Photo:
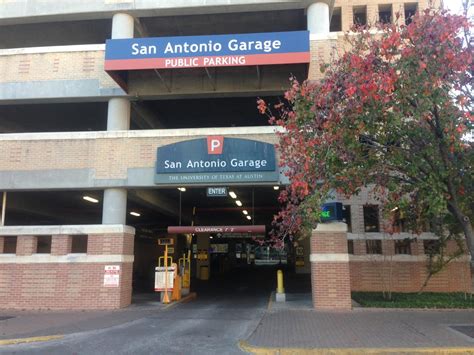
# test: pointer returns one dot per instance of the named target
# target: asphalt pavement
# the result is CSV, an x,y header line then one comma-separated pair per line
x,y
225,311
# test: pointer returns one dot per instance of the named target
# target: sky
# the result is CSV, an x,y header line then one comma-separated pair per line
x,y
454,5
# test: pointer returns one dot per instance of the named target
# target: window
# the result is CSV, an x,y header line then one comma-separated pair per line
x,y
79,244
336,21
371,218
360,15
350,247
410,10
400,224
431,247
44,244
373,246
346,216
9,245
403,246
385,14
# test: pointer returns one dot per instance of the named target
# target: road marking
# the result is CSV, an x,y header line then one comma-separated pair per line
x,y
243,345
30,340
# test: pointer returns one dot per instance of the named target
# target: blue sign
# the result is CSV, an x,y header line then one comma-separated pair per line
x,y
331,211
216,159
207,51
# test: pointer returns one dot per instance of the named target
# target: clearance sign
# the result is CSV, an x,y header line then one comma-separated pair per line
x,y
207,51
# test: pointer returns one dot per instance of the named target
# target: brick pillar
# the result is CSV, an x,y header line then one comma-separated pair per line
x,y
26,245
61,244
2,243
330,275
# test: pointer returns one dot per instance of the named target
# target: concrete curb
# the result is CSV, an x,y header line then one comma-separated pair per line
x,y
186,299
244,346
30,340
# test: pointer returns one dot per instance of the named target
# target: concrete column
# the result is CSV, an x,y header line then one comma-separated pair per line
x,y
318,18
118,118
118,114
114,209
122,26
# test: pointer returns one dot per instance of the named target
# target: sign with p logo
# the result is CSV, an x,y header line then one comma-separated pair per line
x,y
215,144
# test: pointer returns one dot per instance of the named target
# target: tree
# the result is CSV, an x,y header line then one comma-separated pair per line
x,y
391,112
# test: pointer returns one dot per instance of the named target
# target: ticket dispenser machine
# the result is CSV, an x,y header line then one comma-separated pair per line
x,y
203,263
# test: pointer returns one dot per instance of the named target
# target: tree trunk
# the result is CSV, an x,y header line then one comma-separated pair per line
x,y
465,224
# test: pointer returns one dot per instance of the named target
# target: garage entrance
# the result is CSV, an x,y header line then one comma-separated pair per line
x,y
224,235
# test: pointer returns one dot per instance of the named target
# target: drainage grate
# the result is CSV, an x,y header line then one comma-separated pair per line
x,y
5,318
464,329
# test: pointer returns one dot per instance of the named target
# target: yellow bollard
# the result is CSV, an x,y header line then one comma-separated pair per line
x,y
280,288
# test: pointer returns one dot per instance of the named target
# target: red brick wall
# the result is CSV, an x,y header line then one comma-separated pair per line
x,y
408,277
407,272
68,284
62,286
330,276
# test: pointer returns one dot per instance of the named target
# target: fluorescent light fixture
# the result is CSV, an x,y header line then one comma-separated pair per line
x,y
90,199
238,203
232,194
276,187
249,218
136,214
245,212
182,189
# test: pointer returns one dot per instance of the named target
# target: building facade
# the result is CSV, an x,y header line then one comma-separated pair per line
x,y
81,122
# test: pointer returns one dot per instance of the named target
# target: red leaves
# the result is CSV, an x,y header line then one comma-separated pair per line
x,y
351,91
261,106
394,88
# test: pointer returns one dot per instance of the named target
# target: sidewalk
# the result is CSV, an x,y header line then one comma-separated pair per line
x,y
23,324
294,326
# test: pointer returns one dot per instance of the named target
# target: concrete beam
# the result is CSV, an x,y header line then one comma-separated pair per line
x,y
31,11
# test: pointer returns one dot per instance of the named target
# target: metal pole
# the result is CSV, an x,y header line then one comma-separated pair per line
x,y
4,208
253,205
180,207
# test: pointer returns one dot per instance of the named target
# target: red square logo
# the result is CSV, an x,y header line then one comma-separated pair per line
x,y
215,144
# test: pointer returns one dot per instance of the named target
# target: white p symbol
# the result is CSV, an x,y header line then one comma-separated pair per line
x,y
215,144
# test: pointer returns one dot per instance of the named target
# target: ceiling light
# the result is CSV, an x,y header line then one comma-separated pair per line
x,y
238,203
232,194
182,189
90,199
249,218
245,212
211,237
276,187
136,214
